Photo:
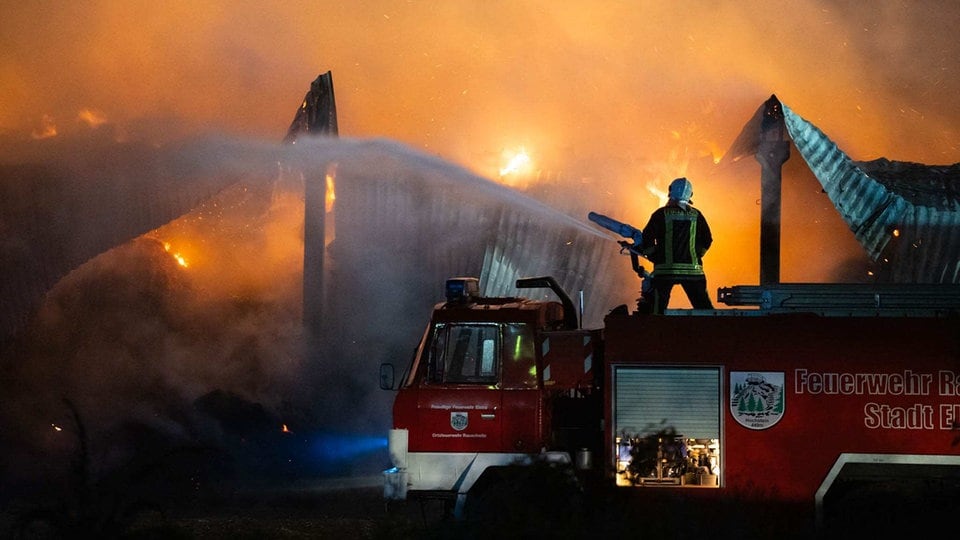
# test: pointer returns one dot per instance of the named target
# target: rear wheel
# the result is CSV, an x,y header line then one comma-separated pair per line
x,y
889,507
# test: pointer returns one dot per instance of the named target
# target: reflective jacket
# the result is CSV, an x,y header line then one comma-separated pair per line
x,y
675,240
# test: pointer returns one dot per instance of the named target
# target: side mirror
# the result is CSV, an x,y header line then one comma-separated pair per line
x,y
386,376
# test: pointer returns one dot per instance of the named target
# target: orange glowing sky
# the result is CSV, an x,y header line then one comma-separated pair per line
x,y
616,96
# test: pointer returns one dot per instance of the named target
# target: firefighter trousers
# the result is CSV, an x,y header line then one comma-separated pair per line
x,y
694,286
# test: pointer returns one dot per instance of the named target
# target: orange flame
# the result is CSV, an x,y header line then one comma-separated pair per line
x,y
518,163
331,187
176,255
92,118
46,130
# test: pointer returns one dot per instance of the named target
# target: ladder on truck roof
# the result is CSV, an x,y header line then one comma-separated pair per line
x,y
848,299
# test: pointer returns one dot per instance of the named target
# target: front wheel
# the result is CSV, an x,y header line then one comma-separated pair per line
x,y
532,499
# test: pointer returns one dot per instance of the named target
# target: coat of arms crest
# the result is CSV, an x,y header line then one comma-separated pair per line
x,y
757,398
458,420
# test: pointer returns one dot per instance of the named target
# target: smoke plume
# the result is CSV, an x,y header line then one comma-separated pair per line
x,y
177,105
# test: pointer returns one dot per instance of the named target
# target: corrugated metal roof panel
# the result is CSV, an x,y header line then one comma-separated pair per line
x,y
905,215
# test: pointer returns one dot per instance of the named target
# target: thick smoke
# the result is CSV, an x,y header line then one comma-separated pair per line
x,y
611,101
172,332
580,84
182,330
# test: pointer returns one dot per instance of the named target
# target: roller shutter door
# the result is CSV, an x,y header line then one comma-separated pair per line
x,y
650,399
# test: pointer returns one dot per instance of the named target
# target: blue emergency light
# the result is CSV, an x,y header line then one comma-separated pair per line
x,y
462,289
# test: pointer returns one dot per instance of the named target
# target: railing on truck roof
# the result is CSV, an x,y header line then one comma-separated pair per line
x,y
848,299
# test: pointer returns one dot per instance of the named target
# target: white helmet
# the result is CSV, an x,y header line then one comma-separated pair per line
x,y
681,190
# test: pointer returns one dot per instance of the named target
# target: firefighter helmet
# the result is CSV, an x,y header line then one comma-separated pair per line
x,y
681,190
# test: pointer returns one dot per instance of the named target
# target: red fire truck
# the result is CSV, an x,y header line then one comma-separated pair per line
x,y
825,398
804,404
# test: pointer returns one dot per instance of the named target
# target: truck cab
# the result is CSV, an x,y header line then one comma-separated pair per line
x,y
478,358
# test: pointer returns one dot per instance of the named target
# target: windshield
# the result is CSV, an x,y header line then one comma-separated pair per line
x,y
465,353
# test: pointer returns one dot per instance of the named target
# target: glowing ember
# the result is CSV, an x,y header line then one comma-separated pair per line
x,y
285,429
56,427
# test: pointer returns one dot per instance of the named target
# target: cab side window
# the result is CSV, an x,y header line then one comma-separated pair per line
x,y
519,356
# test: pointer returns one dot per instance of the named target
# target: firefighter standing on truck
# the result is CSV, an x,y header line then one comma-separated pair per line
x,y
675,240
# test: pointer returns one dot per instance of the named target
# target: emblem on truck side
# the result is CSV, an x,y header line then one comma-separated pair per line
x,y
757,398
458,420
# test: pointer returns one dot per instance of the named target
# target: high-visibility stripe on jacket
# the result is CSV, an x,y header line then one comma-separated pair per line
x,y
675,239
680,248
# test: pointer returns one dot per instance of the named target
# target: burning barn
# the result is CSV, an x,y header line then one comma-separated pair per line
x,y
376,226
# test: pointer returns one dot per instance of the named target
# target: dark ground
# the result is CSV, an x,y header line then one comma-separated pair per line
x,y
353,508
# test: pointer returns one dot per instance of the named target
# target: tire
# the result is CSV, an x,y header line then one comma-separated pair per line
x,y
542,500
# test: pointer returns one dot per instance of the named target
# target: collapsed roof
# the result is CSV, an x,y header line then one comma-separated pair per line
x,y
905,215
